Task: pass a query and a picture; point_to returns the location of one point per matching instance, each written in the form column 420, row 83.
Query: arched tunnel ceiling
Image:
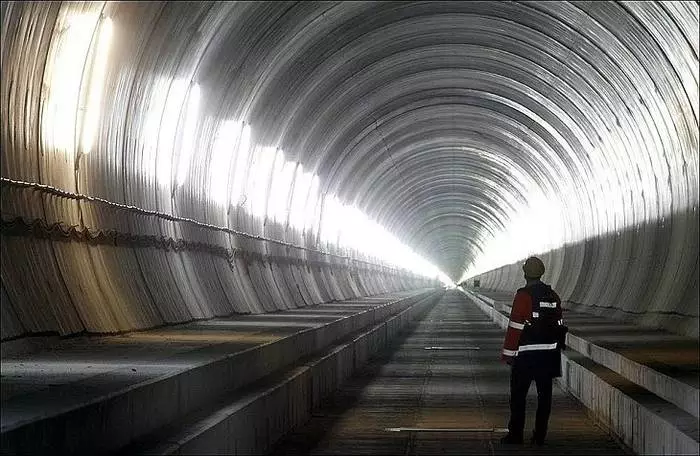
column 443, row 121
column 433, row 116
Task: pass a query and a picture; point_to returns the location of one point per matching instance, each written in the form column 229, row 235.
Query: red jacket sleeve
column 521, row 311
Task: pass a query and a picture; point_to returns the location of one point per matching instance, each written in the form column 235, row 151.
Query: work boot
column 512, row 439
column 536, row 439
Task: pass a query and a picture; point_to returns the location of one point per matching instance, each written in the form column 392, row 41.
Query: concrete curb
column 682, row 395
column 113, row 421
column 639, row 428
column 254, row 422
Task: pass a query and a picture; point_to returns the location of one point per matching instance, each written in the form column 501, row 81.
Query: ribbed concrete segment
column 458, row 384
column 207, row 192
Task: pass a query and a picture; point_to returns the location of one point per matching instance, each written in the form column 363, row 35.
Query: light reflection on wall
column 170, row 126
column 303, row 202
column 96, row 81
column 637, row 189
column 161, row 126
column 280, row 190
column 189, row 131
column 256, row 177
column 75, row 73
column 258, row 184
column 242, row 157
column 535, row 227
column 223, row 159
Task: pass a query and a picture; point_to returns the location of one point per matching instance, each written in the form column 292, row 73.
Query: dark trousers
column 520, row 380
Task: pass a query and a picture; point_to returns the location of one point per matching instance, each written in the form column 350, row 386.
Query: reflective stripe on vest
column 510, row 352
column 537, row 347
column 550, row 305
column 515, row 325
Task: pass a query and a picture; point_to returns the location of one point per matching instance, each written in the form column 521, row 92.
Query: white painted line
column 409, row 429
column 447, row 321
column 452, row 348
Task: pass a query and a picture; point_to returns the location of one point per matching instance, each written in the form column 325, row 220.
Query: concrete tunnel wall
column 448, row 123
column 620, row 276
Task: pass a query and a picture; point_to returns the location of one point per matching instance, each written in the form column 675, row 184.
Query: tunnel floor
column 458, row 383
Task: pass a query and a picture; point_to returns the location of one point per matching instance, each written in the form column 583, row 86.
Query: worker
column 532, row 347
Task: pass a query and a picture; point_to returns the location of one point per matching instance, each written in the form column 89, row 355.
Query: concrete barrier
column 252, row 421
column 683, row 395
column 114, row 421
column 328, row 373
column 644, row 421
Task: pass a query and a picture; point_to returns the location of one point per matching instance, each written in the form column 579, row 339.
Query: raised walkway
column 640, row 383
column 90, row 395
column 238, row 385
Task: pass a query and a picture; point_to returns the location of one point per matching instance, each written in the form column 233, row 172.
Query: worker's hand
column 507, row 359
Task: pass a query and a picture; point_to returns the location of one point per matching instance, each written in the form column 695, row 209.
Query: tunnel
column 298, row 227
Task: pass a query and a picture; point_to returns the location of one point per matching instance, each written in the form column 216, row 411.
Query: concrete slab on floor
column 409, row 386
column 79, row 370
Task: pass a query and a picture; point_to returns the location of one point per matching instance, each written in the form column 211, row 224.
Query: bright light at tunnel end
column 349, row 227
column 283, row 192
